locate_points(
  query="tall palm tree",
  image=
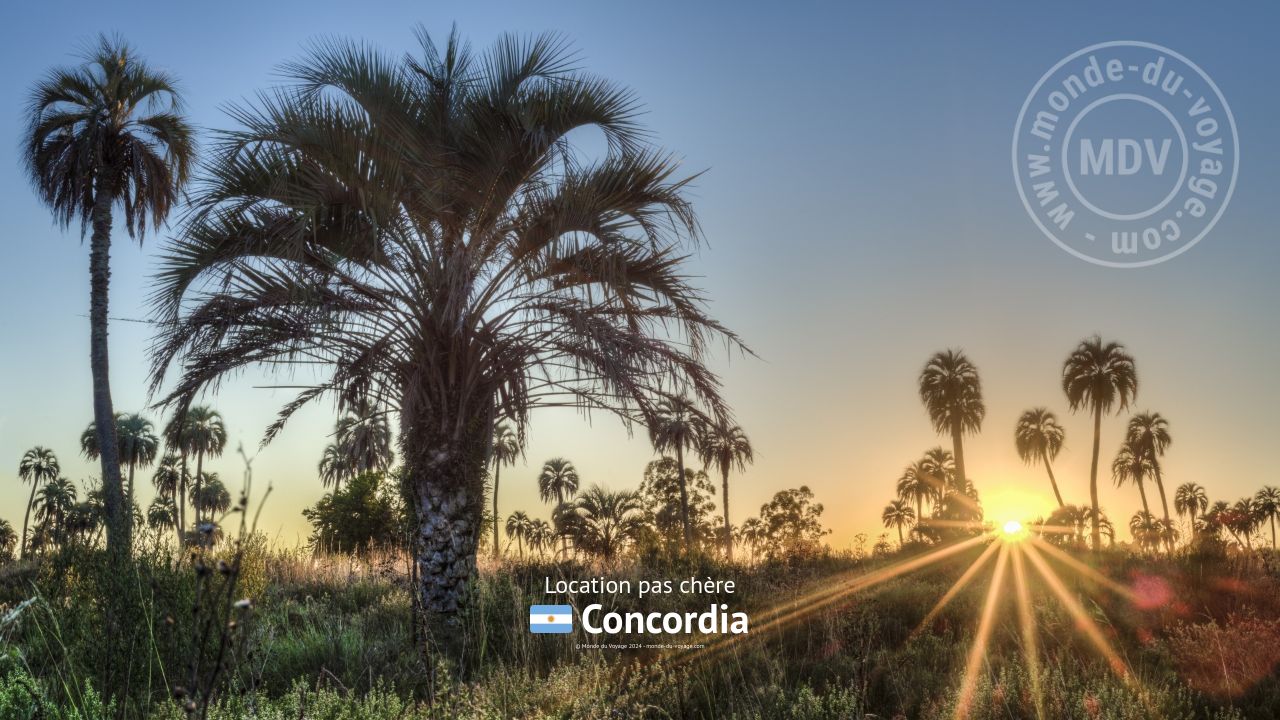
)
(1267, 504)
(446, 251)
(175, 440)
(211, 497)
(162, 514)
(104, 134)
(505, 450)
(725, 446)
(675, 427)
(1098, 377)
(1190, 499)
(939, 466)
(607, 521)
(138, 445)
(1148, 433)
(558, 481)
(540, 535)
(1038, 438)
(1132, 465)
(952, 393)
(518, 527)
(898, 514)
(38, 466)
(1242, 520)
(205, 434)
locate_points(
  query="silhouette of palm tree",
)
(952, 393)
(1038, 438)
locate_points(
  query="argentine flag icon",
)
(550, 619)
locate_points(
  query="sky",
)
(860, 214)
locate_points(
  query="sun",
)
(1013, 530)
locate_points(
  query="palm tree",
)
(725, 446)
(1267, 503)
(138, 444)
(1242, 520)
(54, 501)
(1038, 438)
(38, 466)
(754, 534)
(8, 539)
(1190, 499)
(676, 426)
(518, 528)
(1216, 517)
(1097, 377)
(558, 481)
(1145, 529)
(106, 133)
(335, 466)
(898, 514)
(445, 252)
(916, 484)
(175, 440)
(211, 497)
(162, 514)
(505, 450)
(1148, 432)
(952, 393)
(365, 434)
(1132, 465)
(205, 435)
(540, 535)
(940, 472)
(606, 521)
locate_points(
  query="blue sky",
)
(860, 213)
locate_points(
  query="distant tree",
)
(1132, 465)
(365, 434)
(917, 484)
(205, 435)
(666, 498)
(725, 446)
(754, 535)
(211, 497)
(518, 527)
(162, 514)
(1191, 500)
(558, 481)
(898, 514)
(335, 466)
(952, 393)
(103, 134)
(505, 450)
(1243, 520)
(38, 466)
(1145, 529)
(1097, 377)
(540, 536)
(8, 539)
(1148, 434)
(676, 427)
(54, 501)
(793, 522)
(607, 521)
(138, 445)
(1038, 437)
(1267, 504)
(362, 516)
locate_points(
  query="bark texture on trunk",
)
(1053, 481)
(957, 449)
(117, 515)
(497, 473)
(444, 483)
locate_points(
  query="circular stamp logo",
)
(1125, 154)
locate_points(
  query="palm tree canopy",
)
(558, 480)
(1098, 375)
(952, 392)
(365, 436)
(1131, 465)
(212, 497)
(114, 125)
(1190, 499)
(506, 444)
(897, 514)
(1149, 433)
(725, 446)
(168, 476)
(335, 465)
(424, 227)
(518, 524)
(605, 520)
(1038, 435)
(204, 431)
(38, 465)
(135, 436)
(677, 424)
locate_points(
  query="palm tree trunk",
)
(900, 542)
(1095, 533)
(497, 472)
(445, 481)
(1273, 531)
(195, 492)
(1053, 481)
(129, 494)
(684, 500)
(957, 449)
(22, 551)
(117, 519)
(181, 500)
(1142, 491)
(728, 533)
